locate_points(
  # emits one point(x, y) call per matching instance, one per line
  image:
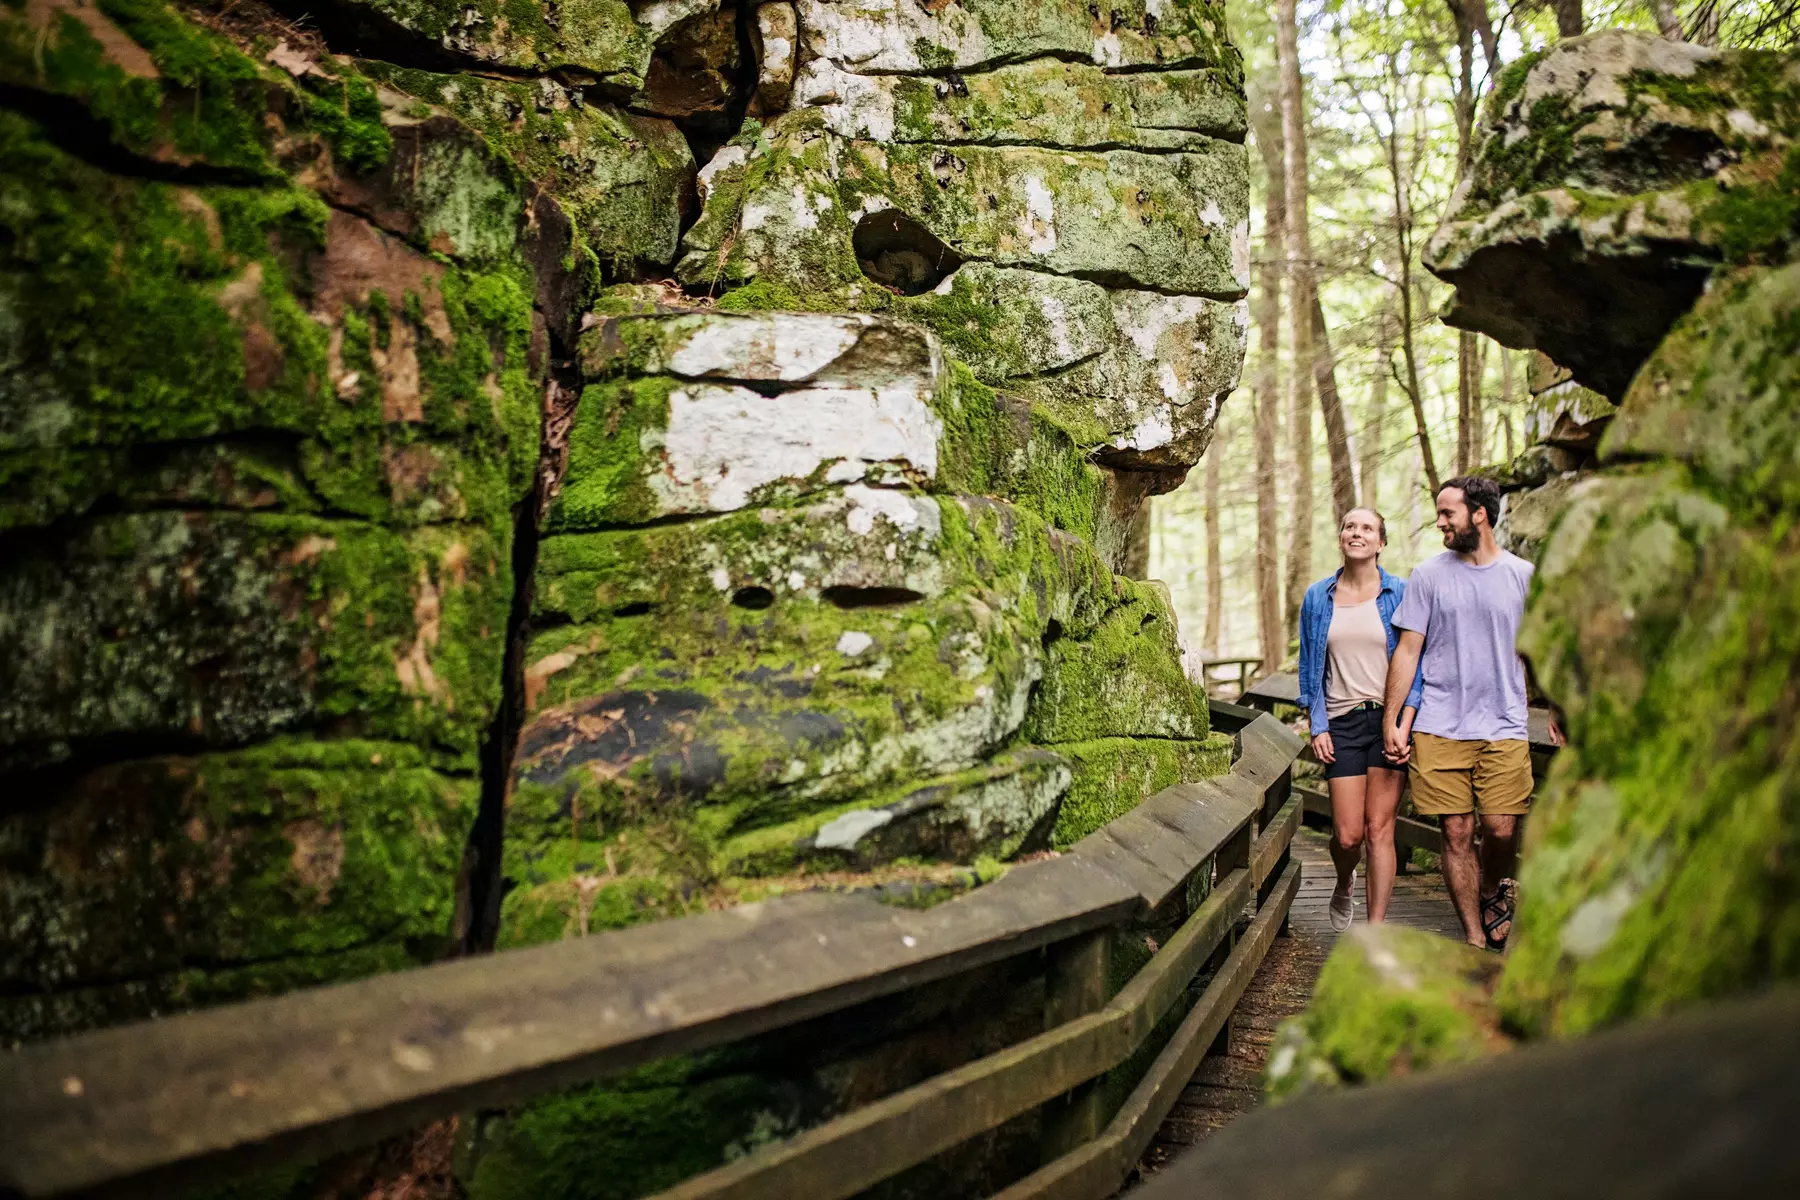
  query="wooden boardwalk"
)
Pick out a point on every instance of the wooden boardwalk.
point(1229, 1084)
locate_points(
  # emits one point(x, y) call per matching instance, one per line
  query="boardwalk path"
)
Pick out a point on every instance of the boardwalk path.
point(1230, 1084)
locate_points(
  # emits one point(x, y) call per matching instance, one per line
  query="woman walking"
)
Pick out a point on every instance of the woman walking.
point(1346, 637)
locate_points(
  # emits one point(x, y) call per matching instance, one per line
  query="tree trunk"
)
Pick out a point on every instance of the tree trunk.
point(1403, 227)
point(1337, 433)
point(1569, 21)
point(1465, 402)
point(1372, 432)
point(1215, 576)
point(1136, 560)
point(1478, 405)
point(1506, 399)
point(1270, 642)
point(1299, 259)
point(1666, 20)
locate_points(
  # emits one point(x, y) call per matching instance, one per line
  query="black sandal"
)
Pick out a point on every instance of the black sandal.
point(1497, 910)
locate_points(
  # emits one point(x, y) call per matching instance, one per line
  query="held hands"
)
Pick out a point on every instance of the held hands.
point(1397, 736)
point(1322, 748)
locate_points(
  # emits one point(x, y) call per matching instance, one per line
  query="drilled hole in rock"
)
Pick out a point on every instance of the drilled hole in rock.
point(899, 253)
point(1053, 631)
point(753, 597)
point(637, 608)
point(870, 597)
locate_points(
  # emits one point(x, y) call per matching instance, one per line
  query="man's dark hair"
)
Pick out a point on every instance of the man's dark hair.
point(1478, 492)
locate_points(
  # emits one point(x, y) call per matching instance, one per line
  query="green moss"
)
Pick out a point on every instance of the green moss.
point(768, 295)
point(1123, 680)
point(163, 884)
point(1659, 872)
point(619, 175)
point(140, 314)
point(1389, 1002)
point(1509, 84)
point(628, 1137)
point(1114, 775)
point(226, 627)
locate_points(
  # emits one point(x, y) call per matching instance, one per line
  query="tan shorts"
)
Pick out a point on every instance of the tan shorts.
point(1451, 777)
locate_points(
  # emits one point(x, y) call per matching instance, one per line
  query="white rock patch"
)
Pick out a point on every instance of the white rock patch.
point(785, 347)
point(1038, 225)
point(853, 642)
point(723, 443)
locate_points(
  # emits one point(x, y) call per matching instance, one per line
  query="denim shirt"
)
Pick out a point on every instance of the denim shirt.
point(1315, 624)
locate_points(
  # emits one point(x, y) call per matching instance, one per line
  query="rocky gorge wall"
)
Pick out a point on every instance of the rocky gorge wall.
point(1632, 211)
point(483, 474)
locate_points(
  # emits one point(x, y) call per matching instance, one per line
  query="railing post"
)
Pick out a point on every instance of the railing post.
point(1074, 987)
point(1234, 854)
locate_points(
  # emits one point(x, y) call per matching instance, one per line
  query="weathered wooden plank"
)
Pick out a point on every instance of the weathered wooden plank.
point(1139, 853)
point(1097, 1169)
point(1151, 993)
point(861, 1148)
point(1693, 1107)
point(1202, 818)
point(1279, 688)
point(335, 1067)
point(1273, 842)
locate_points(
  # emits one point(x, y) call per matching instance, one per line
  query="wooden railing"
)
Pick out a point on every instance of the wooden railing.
point(139, 1108)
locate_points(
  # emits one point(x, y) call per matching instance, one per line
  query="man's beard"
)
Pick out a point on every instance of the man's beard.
point(1463, 541)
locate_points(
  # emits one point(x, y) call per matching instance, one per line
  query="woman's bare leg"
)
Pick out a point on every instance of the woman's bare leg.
point(1347, 825)
point(1380, 802)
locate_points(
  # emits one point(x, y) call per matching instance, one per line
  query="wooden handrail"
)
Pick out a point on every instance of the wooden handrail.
point(157, 1103)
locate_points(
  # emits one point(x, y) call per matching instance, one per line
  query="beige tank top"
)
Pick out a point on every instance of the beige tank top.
point(1356, 658)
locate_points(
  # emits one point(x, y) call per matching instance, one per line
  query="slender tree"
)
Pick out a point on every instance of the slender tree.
point(1666, 21)
point(1372, 432)
point(1331, 404)
point(1215, 575)
point(1506, 400)
point(1267, 132)
point(1299, 262)
point(1569, 21)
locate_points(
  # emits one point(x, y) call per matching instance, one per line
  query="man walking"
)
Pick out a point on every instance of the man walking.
point(1469, 754)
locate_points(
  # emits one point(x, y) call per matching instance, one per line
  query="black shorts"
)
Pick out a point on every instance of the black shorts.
point(1357, 744)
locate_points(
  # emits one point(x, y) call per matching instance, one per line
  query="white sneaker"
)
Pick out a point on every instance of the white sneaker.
point(1343, 906)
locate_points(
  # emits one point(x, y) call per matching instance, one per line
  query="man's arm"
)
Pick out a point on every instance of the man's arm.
point(1401, 669)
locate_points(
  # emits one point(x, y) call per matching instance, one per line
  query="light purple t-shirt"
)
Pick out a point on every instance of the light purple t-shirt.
point(1474, 678)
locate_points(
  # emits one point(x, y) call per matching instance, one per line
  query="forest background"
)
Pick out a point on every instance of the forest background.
point(1362, 113)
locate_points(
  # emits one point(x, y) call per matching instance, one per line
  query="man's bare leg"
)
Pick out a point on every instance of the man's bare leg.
point(1499, 859)
point(1380, 803)
point(1462, 875)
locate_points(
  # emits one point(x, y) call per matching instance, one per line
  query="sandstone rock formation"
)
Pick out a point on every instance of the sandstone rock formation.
point(483, 474)
point(1616, 165)
point(1658, 870)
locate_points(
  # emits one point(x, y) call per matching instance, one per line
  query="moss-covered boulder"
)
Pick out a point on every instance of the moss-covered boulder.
point(1661, 872)
point(1613, 171)
point(1389, 1002)
point(274, 342)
